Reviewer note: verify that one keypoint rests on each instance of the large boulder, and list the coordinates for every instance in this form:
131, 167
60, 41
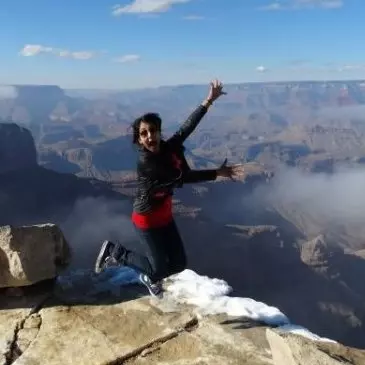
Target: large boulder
31, 254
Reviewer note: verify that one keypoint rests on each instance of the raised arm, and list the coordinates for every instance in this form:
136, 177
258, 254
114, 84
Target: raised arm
196, 116
196, 176
190, 124
155, 184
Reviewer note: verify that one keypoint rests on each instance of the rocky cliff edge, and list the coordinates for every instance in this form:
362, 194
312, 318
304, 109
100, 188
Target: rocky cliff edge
83, 318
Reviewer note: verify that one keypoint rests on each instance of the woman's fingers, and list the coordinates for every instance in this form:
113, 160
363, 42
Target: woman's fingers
238, 167
237, 170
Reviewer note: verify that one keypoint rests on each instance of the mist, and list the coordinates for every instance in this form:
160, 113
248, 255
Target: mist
343, 112
318, 203
92, 221
314, 203
338, 196
8, 92
302, 203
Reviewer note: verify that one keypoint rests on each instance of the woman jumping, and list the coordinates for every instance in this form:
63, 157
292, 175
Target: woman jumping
161, 168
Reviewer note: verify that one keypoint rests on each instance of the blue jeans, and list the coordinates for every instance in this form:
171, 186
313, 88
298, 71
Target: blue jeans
162, 252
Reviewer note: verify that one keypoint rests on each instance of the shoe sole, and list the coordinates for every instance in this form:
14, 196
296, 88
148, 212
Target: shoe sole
101, 257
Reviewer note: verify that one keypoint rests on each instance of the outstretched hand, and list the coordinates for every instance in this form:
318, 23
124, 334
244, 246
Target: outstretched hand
234, 171
215, 91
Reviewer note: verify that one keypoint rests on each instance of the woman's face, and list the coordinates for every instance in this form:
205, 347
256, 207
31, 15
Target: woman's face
149, 137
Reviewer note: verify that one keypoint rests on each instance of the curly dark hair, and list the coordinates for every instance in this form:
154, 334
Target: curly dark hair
149, 118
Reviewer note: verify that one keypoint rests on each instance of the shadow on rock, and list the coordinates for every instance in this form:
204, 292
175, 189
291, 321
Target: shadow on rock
243, 323
114, 285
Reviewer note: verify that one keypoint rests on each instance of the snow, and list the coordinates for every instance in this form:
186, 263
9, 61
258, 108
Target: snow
209, 296
298, 330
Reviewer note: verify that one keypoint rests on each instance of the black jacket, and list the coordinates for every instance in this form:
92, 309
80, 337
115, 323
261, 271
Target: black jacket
157, 173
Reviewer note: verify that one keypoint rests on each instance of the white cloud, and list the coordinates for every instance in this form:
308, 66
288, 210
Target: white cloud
146, 6
261, 69
34, 49
303, 4
127, 58
63, 54
272, 6
193, 17
82, 55
30, 50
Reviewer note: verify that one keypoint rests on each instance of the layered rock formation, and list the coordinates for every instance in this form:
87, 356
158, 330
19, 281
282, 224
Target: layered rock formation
32, 194
317, 286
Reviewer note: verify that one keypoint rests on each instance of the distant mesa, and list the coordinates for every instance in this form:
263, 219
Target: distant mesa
17, 149
30, 193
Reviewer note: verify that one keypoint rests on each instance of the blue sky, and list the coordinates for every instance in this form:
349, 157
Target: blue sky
137, 43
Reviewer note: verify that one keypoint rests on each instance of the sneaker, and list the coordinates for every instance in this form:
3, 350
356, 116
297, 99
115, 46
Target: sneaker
120, 254
104, 258
155, 289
